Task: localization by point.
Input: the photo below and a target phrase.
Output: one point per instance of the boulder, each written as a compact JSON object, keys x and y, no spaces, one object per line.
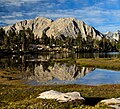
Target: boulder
{"x":113,"y":102}
{"x":61,"y":97}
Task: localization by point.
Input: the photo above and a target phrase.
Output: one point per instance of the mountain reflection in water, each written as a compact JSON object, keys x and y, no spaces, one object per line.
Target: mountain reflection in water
{"x":39,"y":69}
{"x":45,"y":72}
{"x":99,"y":77}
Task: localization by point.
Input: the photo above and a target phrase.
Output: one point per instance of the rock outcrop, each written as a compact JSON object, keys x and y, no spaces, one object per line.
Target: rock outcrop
{"x":115,"y":35}
{"x":113,"y":102}
{"x":62,"y":27}
{"x":72,"y":27}
{"x":61,"y":97}
{"x":37,"y":25}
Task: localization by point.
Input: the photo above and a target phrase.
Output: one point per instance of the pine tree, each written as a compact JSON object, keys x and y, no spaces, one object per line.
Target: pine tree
{"x":45,"y":40}
{"x":2,"y":35}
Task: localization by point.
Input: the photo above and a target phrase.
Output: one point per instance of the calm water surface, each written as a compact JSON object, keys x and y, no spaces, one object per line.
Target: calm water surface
{"x":41,"y":70}
{"x":100,"y":76}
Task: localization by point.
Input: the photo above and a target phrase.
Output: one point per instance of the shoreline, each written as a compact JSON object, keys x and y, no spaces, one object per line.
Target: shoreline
{"x":13,"y":94}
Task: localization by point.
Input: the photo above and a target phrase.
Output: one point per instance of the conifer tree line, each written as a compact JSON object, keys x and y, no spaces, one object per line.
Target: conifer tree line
{"x":22,"y":40}
{"x":19,"y":41}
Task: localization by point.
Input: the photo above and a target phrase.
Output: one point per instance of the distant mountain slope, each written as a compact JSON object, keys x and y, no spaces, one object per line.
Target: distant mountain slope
{"x":115,"y":35}
{"x":70,"y":27}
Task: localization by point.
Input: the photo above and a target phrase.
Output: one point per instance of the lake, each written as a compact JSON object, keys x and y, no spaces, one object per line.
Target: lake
{"x":40,"y":69}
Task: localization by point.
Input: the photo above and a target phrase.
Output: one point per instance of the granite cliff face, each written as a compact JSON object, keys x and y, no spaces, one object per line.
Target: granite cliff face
{"x":37,"y":25}
{"x":72,"y":27}
{"x":61,"y":27}
{"x":115,"y":35}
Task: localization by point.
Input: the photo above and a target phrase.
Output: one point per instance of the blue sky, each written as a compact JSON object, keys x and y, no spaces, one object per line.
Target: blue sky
{"x":104,"y":15}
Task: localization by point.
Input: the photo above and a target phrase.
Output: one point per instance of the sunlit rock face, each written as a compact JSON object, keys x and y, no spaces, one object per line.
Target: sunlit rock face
{"x":115,"y":35}
{"x":62,"y":27}
{"x":37,"y":25}
{"x":59,"y":71}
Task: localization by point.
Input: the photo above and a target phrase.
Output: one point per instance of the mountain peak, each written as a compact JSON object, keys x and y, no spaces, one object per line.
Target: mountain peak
{"x":67,"y":27}
{"x":114,"y":35}
{"x":40,"y":17}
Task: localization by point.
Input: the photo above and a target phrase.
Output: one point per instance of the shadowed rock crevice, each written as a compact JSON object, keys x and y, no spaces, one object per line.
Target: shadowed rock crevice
{"x":92,"y":101}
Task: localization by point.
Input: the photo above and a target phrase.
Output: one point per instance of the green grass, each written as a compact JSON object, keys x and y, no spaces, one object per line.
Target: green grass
{"x":105,"y":63}
{"x":21,"y":96}
{"x":100,"y":63}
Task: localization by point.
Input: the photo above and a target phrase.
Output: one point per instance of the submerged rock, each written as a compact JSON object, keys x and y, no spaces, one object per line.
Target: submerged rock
{"x":61,"y":97}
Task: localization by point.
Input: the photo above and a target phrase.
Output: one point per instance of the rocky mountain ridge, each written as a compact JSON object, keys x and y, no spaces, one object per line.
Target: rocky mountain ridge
{"x":67,"y":27}
{"x":113,"y":35}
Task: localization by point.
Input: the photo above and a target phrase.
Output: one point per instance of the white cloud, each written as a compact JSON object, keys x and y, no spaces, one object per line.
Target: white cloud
{"x":94,"y":20}
{"x":13,"y":15}
{"x":112,"y":1}
{"x":17,"y":2}
{"x":62,"y":1}
{"x":6,"y":17}
{"x":110,"y":27}
{"x":95,"y":15}
{"x":9,"y":22}
{"x":87,"y":14}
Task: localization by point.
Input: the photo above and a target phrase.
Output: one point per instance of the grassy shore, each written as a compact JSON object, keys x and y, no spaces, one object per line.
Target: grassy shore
{"x":21,"y":96}
{"x":14,"y":95}
{"x":106,"y":63}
